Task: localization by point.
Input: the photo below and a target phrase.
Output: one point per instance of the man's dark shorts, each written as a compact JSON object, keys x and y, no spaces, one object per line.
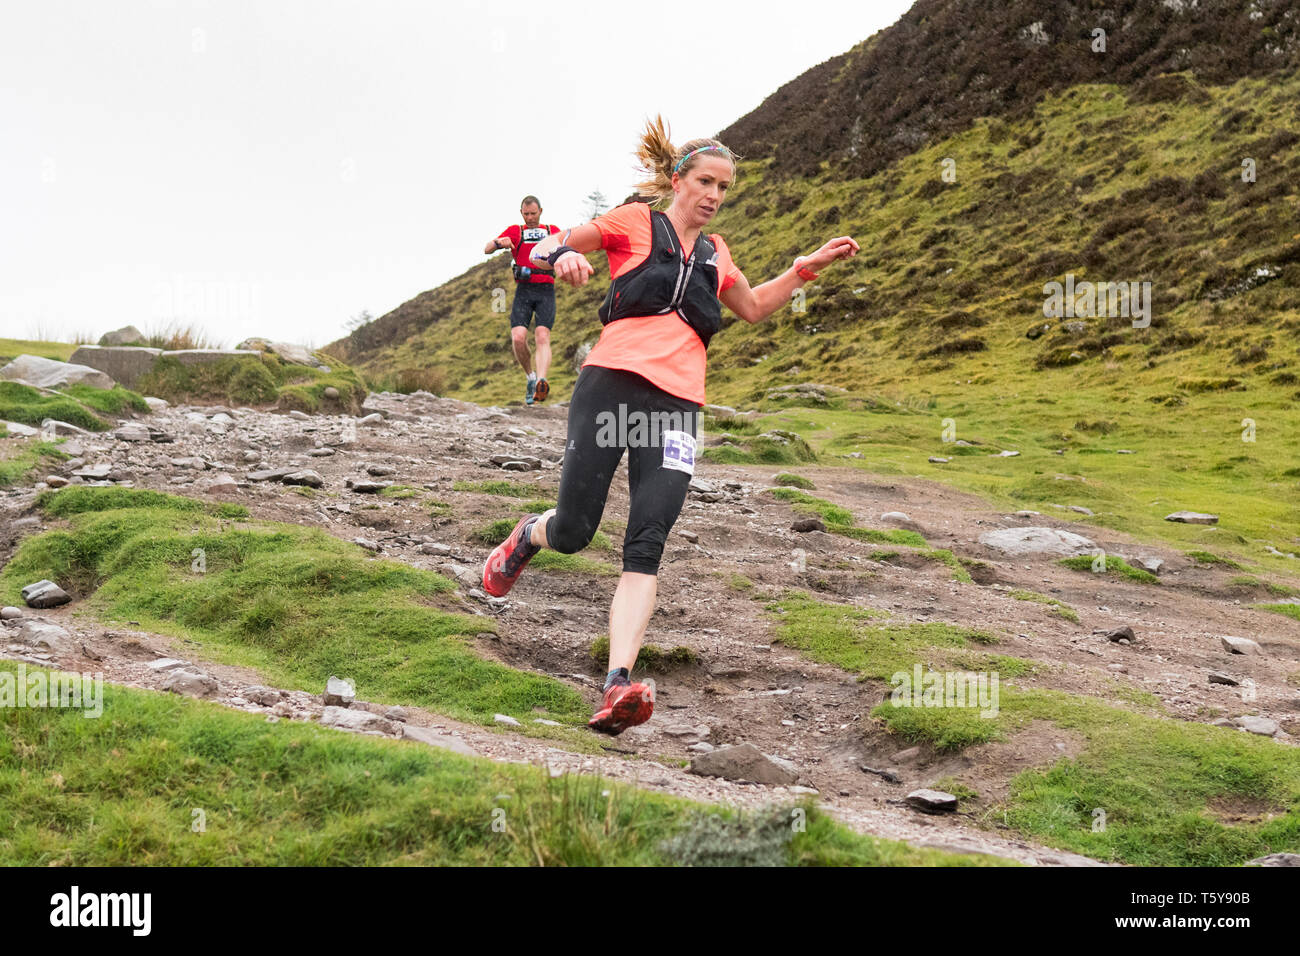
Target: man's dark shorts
{"x":533,"y":297}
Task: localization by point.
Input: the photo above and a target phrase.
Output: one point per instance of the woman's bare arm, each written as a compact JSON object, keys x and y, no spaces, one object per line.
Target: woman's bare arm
{"x":754,"y":304}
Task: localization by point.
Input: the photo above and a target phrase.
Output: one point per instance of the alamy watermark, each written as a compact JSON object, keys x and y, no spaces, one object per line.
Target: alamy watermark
{"x":1098,"y":299}
{"x":43,"y":688}
{"x":635,"y":428}
{"x":974,"y":689}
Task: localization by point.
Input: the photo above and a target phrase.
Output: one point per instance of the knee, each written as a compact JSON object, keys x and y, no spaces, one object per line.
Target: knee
{"x":643,"y":548}
{"x":519,"y":335}
{"x":543,"y":335}
{"x":569,"y":537}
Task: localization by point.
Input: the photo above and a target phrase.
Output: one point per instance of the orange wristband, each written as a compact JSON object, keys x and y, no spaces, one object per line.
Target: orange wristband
{"x":803,"y":273}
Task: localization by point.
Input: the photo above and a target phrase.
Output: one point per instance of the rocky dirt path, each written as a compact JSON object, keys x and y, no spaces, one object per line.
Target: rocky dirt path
{"x":742,"y":687}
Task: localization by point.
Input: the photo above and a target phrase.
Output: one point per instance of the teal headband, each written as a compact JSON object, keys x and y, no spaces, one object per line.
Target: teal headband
{"x":694,"y":151}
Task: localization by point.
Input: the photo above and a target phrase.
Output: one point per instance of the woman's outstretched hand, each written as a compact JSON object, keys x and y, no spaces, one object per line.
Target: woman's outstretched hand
{"x":574,"y":268}
{"x":841,"y":247}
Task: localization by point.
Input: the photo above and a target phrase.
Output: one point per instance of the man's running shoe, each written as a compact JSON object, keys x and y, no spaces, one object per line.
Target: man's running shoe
{"x":509,"y":558}
{"x":624,"y":706}
{"x":542,"y":391}
{"x":529,"y":391}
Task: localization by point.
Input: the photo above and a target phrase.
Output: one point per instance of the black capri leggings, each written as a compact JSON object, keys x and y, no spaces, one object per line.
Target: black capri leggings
{"x":611,"y":411}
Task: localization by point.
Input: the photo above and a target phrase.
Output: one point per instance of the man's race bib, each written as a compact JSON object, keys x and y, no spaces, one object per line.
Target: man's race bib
{"x":679,"y":451}
{"x":533,"y":233}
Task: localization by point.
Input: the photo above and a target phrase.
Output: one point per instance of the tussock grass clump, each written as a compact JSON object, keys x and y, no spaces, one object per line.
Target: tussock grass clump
{"x":651,"y":656}
{"x":28,"y":406}
{"x":1113,"y":565}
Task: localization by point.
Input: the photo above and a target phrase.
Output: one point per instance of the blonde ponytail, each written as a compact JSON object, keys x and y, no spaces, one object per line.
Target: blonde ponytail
{"x":658,"y":157}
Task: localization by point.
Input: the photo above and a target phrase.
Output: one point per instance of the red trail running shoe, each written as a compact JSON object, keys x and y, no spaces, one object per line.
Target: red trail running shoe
{"x":624,"y":706}
{"x":509,"y":558}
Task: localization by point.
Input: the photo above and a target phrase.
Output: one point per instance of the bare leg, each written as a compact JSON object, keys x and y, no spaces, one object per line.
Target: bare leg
{"x":543,"y":335}
{"x":519,"y":341}
{"x":629,"y":614}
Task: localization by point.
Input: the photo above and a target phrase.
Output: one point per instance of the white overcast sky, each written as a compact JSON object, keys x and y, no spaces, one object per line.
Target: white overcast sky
{"x":273,"y":168}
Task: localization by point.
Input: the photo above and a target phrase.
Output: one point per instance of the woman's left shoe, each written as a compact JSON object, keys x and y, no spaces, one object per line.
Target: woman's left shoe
{"x":509,"y":558}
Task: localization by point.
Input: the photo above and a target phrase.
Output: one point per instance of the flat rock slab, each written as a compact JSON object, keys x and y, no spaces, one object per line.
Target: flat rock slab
{"x":49,"y":373}
{"x":344,"y":718}
{"x":932,"y":801}
{"x":1264,"y":726}
{"x":743,"y":762}
{"x":1275,"y":859}
{"x":44,"y":634}
{"x":426,"y":736}
{"x":1192,"y":517}
{"x":124,"y":364}
{"x":1017,"y":542}
{"x":1240,"y":645}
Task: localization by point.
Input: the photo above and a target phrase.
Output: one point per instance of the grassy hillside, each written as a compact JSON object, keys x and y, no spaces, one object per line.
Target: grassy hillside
{"x":933,"y":320}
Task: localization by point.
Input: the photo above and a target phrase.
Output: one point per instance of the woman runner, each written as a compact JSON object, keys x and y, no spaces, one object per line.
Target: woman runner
{"x":642,"y":386}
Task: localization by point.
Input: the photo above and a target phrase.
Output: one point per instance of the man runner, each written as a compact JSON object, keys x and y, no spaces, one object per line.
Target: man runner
{"x":534,"y":293}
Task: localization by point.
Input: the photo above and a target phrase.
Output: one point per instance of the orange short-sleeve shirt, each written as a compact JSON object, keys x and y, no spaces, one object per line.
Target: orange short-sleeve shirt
{"x":661,"y":348}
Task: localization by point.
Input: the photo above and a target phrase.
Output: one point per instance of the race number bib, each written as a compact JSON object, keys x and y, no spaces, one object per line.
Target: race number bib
{"x":679,"y":451}
{"x":534,"y":234}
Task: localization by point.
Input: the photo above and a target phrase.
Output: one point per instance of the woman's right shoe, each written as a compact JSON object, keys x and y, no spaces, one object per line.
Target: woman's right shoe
{"x":623,"y":706}
{"x":509,"y":558}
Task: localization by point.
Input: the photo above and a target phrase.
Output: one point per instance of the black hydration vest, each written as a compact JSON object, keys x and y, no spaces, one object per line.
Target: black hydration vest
{"x":666,"y":281}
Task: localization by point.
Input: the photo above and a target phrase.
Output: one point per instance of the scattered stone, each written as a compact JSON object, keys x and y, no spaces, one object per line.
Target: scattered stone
{"x":331,"y":392}
{"x":222,"y":485}
{"x":266,"y":696}
{"x":372,"y":419}
{"x":45,"y":593}
{"x":1122,"y":633}
{"x":1018,"y":542}
{"x":192,"y":461}
{"x":932,"y":801}
{"x":126,"y":335}
{"x":191,"y":683}
{"x":1152,"y":564}
{"x":304,"y":477}
{"x":684,"y":730}
{"x":888,"y":775}
{"x":156,"y":404}
{"x":343,"y":718}
{"x":1240,"y":645}
{"x":1217,"y":677}
{"x":10,"y":613}
{"x":22,"y":524}
{"x":165,"y":663}
{"x":270,"y":474}
{"x":339,"y":692}
{"x":1192,"y":517}
{"x":1081,"y":509}
{"x":396,"y":713}
{"x":935,"y":459}
{"x":1123,"y":451}
{"x":19,"y":430}
{"x":368,"y":487}
{"x":804,"y":525}
{"x":506,"y":719}
{"x":433,"y":547}
{"x":547,"y":723}
{"x":690,"y":536}
{"x":297,"y":415}
{"x":1005,"y":454}
{"x":322,"y":452}
{"x":366,"y":543}
{"x":132,"y":431}
{"x":380,"y":471}
{"x":743,"y":762}
{"x":896,"y":517}
{"x":1275,"y":859}
{"x":426,"y":736}
{"x":701,"y":747}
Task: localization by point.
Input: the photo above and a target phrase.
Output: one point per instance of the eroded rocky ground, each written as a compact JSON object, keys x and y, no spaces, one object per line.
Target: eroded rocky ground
{"x":743,"y":687}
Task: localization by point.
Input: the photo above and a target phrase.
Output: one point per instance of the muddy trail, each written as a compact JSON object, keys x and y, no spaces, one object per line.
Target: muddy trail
{"x":731,"y":553}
